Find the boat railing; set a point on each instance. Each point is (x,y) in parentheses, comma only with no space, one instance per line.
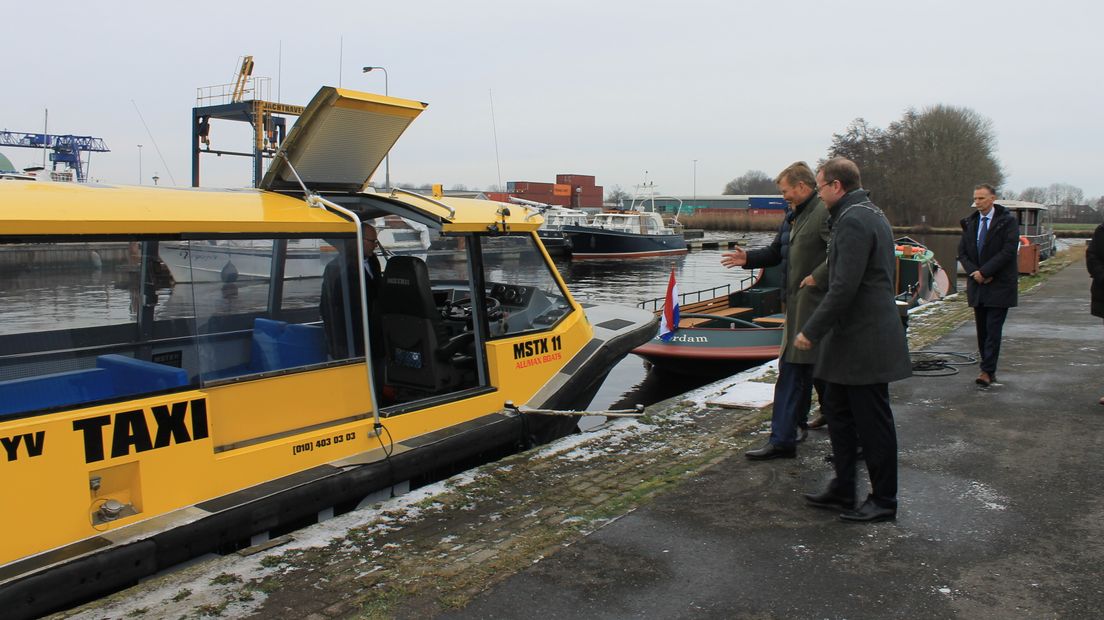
(692,297)
(685,299)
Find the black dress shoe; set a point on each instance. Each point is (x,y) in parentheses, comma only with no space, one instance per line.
(802,434)
(818,422)
(869,512)
(771,451)
(830,501)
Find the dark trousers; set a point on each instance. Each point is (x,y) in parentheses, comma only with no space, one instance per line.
(793,396)
(990,324)
(859,415)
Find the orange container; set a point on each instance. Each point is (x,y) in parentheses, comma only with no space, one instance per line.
(1029,259)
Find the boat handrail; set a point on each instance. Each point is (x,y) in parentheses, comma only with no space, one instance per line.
(451,211)
(684,298)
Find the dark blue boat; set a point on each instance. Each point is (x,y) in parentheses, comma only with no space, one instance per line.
(624,234)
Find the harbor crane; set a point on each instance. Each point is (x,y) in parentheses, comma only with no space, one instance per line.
(66,149)
(243,100)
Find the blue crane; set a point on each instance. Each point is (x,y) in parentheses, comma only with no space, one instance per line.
(67,149)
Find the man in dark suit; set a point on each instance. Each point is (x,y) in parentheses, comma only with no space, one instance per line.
(987,251)
(1094,261)
(862,346)
(800,248)
(340,281)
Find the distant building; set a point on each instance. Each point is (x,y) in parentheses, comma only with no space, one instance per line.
(570,190)
(1074,214)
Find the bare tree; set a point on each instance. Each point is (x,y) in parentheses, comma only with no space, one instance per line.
(459,187)
(923,167)
(1034,194)
(752,182)
(1064,194)
(616,194)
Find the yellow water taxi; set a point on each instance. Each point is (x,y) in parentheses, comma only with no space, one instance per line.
(151,412)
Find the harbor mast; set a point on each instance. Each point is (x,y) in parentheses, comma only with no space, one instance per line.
(244,100)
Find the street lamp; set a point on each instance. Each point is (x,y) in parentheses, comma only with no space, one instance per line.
(696,180)
(139,164)
(387,159)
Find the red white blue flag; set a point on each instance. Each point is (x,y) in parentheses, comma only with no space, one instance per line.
(668,321)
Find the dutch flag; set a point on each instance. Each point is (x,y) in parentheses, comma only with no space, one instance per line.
(668,321)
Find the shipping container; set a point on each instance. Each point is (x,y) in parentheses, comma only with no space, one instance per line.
(766,202)
(584,180)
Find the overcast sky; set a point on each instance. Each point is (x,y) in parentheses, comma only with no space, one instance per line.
(608,88)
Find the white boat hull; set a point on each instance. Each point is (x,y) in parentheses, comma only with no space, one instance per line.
(200,262)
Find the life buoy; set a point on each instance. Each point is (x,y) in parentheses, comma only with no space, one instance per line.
(1024,240)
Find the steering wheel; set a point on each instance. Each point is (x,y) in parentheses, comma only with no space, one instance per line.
(461,309)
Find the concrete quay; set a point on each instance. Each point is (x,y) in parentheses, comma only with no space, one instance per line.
(1001,510)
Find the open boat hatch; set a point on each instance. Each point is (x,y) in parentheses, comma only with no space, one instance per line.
(340,140)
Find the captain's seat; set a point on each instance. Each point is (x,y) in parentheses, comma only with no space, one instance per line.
(418,349)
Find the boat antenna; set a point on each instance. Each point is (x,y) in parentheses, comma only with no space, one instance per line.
(494,132)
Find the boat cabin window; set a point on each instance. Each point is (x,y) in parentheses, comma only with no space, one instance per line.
(89,322)
(255,302)
(523,294)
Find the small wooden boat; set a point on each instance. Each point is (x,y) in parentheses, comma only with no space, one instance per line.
(721,331)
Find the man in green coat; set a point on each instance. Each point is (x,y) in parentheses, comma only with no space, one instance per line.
(800,247)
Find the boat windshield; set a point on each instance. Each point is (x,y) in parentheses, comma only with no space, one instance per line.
(644,223)
(522,282)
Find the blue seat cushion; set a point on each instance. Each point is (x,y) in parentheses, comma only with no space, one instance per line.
(115,376)
(54,390)
(278,345)
(135,376)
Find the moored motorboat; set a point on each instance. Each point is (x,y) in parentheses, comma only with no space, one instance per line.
(636,232)
(919,278)
(147,425)
(721,331)
(555,218)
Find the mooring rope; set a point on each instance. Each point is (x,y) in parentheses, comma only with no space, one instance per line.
(939,363)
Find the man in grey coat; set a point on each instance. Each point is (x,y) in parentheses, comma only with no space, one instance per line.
(800,247)
(862,346)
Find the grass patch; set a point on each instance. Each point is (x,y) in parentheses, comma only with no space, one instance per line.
(211,609)
(225,579)
(1074,227)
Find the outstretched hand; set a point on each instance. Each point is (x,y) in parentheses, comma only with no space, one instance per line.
(736,258)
